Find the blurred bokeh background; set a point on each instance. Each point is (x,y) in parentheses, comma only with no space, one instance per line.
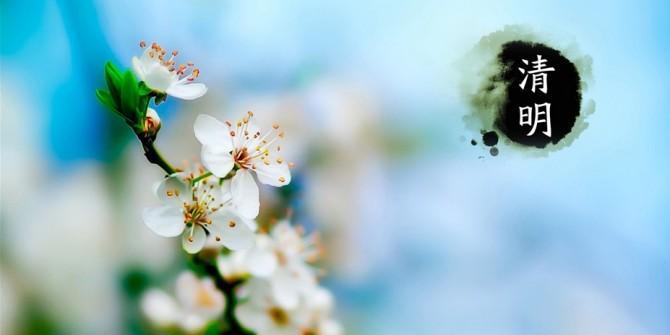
(423,236)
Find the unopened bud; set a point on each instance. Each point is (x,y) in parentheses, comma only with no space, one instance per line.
(152,123)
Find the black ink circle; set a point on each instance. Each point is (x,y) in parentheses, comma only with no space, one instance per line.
(563,93)
(490,138)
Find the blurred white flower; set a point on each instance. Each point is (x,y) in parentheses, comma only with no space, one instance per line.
(197,211)
(163,75)
(257,261)
(198,302)
(262,313)
(281,257)
(293,276)
(315,313)
(242,146)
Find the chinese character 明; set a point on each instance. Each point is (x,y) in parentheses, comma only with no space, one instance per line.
(532,117)
(538,73)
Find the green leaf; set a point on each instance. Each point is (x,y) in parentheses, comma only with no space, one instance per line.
(106,99)
(141,111)
(129,96)
(113,80)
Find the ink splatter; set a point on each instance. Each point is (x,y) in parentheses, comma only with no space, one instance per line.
(490,138)
(492,85)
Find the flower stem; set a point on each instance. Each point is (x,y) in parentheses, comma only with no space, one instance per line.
(153,155)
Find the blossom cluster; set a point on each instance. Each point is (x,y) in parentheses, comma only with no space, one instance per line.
(259,281)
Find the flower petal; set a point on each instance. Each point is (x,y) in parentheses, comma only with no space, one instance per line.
(188,91)
(330,327)
(210,131)
(253,318)
(158,77)
(261,263)
(197,239)
(319,300)
(186,288)
(159,308)
(217,160)
(222,194)
(173,190)
(230,231)
(138,68)
(285,289)
(166,221)
(192,323)
(273,174)
(245,194)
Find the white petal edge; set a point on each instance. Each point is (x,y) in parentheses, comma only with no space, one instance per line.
(187,91)
(210,131)
(273,174)
(165,221)
(245,194)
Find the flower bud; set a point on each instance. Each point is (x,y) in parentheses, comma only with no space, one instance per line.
(152,123)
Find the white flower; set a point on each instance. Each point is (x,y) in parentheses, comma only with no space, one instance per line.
(195,212)
(281,257)
(163,75)
(262,313)
(293,276)
(315,313)
(259,261)
(242,146)
(198,302)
